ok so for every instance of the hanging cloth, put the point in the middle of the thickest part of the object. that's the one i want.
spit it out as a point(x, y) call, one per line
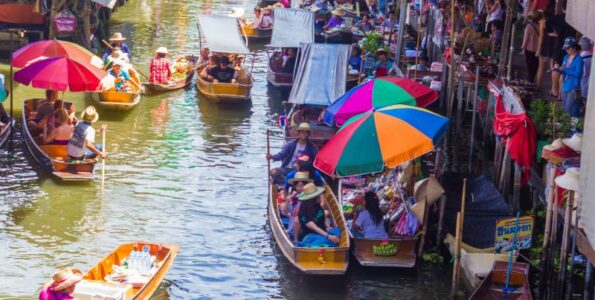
point(517, 132)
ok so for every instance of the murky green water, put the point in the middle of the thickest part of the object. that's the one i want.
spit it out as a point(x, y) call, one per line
point(181, 170)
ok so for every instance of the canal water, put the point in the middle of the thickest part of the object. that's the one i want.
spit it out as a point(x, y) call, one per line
point(180, 170)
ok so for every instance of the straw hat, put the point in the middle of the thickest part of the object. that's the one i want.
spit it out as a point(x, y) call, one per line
point(310, 191)
point(65, 278)
point(300, 176)
point(161, 50)
point(428, 189)
point(117, 36)
point(303, 127)
point(383, 50)
point(278, 5)
point(575, 142)
point(569, 180)
point(338, 12)
point(90, 115)
point(237, 12)
point(555, 145)
point(419, 209)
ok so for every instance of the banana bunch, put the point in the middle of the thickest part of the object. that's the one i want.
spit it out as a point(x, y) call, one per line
point(385, 249)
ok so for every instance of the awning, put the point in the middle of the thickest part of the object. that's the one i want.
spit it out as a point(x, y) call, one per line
point(107, 3)
point(292, 27)
point(222, 34)
point(321, 75)
point(19, 14)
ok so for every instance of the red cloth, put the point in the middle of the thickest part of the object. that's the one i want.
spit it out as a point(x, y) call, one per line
point(160, 71)
point(517, 132)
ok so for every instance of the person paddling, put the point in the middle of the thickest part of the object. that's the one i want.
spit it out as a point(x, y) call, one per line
point(81, 144)
point(62, 286)
point(117, 40)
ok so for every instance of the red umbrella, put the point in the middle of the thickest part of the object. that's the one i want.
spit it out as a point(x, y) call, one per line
point(61, 74)
point(53, 48)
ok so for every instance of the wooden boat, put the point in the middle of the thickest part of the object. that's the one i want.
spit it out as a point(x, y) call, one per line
point(164, 253)
point(117, 100)
point(224, 92)
point(277, 78)
point(492, 287)
point(158, 88)
point(257, 36)
point(53, 158)
point(5, 131)
point(312, 261)
point(405, 257)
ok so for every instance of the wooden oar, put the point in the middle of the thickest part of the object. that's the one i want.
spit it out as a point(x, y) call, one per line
point(104, 129)
point(107, 44)
point(269, 162)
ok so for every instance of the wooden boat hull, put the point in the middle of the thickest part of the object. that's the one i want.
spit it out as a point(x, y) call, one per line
point(6, 131)
point(257, 36)
point(232, 93)
point(53, 159)
point(165, 253)
point(491, 288)
point(117, 100)
point(278, 79)
point(405, 257)
point(336, 260)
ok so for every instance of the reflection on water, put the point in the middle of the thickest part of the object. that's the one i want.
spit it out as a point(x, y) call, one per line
point(180, 170)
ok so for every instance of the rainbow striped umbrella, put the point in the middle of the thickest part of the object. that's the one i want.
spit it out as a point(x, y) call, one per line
point(387, 136)
point(377, 93)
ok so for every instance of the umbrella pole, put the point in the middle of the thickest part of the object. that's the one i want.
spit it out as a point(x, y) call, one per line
point(104, 129)
point(12, 103)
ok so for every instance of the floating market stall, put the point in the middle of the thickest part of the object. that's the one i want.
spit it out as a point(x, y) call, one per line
point(319, 81)
point(298, 22)
point(223, 36)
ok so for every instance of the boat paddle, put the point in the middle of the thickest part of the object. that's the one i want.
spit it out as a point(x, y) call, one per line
point(103, 129)
point(269, 162)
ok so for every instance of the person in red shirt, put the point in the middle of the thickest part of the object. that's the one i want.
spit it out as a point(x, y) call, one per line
point(160, 69)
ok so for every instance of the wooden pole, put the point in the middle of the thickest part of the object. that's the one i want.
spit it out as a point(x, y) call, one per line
point(546, 235)
point(510, 10)
point(564, 246)
point(103, 149)
point(568, 295)
point(457, 258)
point(403, 11)
point(473, 118)
point(269, 162)
point(440, 219)
point(463, 199)
point(86, 16)
point(418, 39)
point(451, 78)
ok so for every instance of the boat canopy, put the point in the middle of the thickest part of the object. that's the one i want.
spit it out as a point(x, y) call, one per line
point(222, 34)
point(321, 75)
point(292, 27)
point(107, 3)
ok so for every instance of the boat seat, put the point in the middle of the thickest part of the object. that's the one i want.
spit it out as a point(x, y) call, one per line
point(55, 151)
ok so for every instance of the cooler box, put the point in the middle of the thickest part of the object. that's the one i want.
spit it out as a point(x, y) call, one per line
point(99, 290)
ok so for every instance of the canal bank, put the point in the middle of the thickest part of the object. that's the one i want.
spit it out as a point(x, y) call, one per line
point(181, 170)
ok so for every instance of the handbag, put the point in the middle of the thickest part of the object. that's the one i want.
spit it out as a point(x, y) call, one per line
point(65, 21)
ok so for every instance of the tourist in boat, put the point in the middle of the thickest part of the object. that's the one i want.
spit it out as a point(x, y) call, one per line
point(291, 151)
point(291, 203)
point(304, 165)
point(289, 64)
point(355, 61)
point(222, 73)
point(81, 144)
point(384, 65)
point(370, 221)
point(297, 116)
point(241, 74)
point(62, 129)
point(160, 70)
point(121, 77)
point(203, 60)
point(423, 64)
point(312, 216)
point(62, 286)
point(117, 40)
point(336, 20)
point(46, 108)
point(262, 20)
point(213, 62)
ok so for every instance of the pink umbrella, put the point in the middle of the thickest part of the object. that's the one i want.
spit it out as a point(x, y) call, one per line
point(61, 74)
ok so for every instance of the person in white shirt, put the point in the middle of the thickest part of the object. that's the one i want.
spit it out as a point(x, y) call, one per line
point(81, 144)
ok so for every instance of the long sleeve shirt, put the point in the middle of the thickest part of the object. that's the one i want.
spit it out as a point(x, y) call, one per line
point(572, 73)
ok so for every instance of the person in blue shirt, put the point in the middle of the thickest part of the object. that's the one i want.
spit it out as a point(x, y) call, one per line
point(121, 76)
point(355, 61)
point(304, 165)
point(572, 72)
point(117, 40)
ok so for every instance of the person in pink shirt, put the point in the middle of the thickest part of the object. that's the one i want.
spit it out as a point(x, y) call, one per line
point(62, 286)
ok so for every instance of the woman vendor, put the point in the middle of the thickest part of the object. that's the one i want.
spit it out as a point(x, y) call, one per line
point(384, 66)
point(291, 203)
point(160, 71)
point(62, 285)
point(336, 20)
point(311, 215)
point(369, 221)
